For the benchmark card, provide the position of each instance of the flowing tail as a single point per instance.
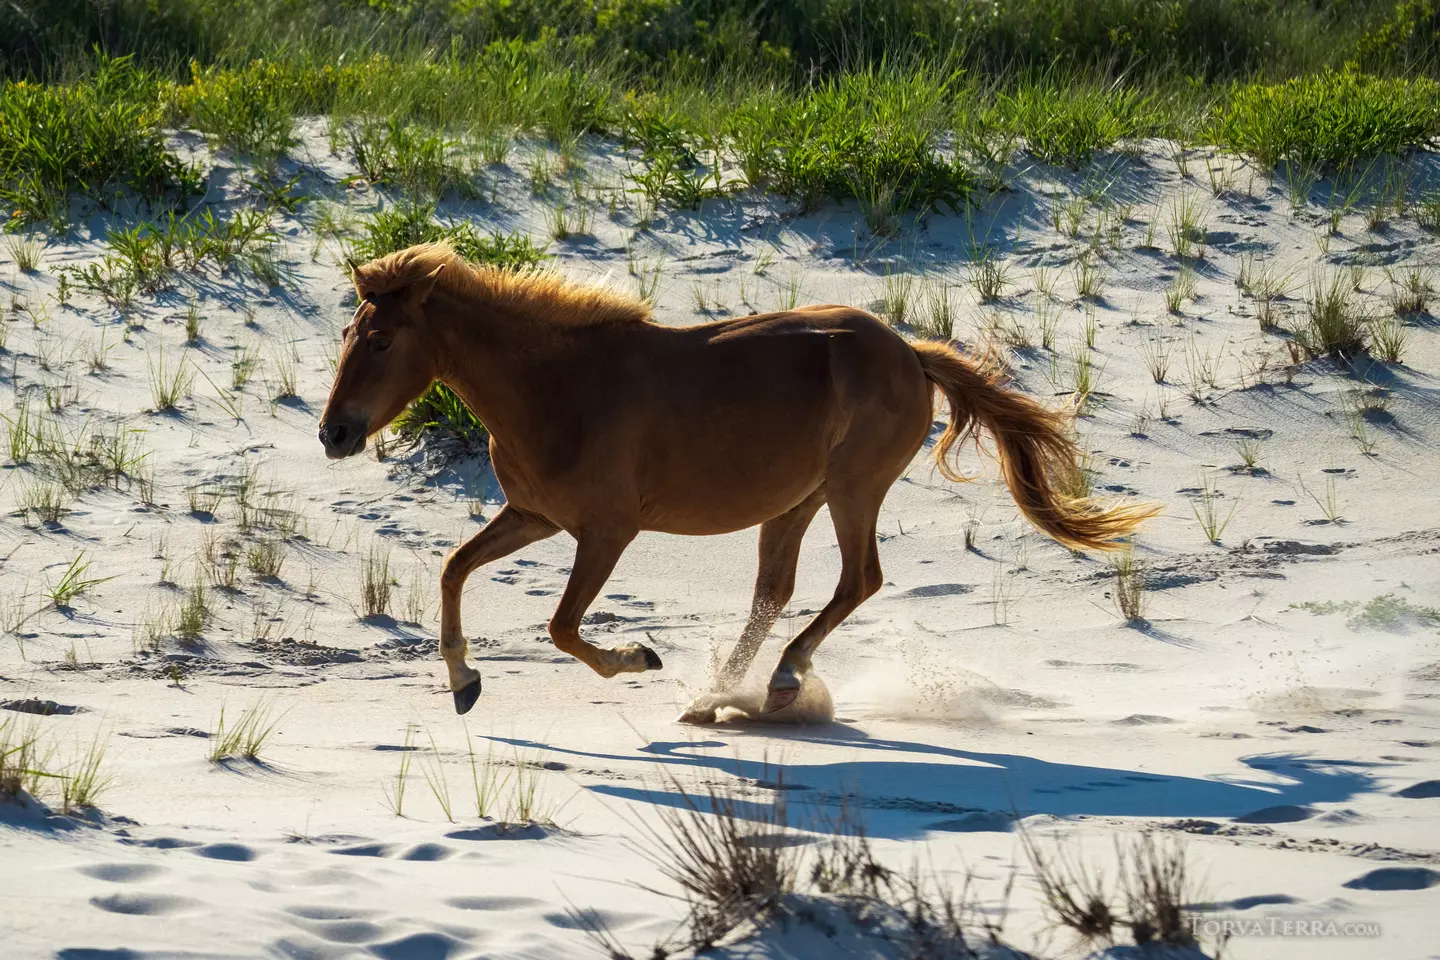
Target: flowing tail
(1037, 455)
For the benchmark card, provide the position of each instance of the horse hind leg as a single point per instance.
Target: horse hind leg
(854, 514)
(780, 539)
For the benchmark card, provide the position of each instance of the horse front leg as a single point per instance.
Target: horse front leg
(595, 558)
(507, 531)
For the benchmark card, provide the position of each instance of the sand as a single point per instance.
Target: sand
(982, 692)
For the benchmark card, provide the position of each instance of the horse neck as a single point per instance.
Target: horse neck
(491, 357)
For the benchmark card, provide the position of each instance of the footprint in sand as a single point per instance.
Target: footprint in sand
(235, 852)
(144, 905)
(428, 853)
(1284, 813)
(367, 850)
(938, 590)
(419, 946)
(161, 843)
(1396, 878)
(122, 872)
(345, 931)
(500, 831)
(1423, 790)
(493, 903)
(325, 912)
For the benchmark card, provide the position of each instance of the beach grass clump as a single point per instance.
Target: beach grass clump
(1335, 324)
(440, 411)
(860, 135)
(1333, 117)
(249, 110)
(407, 224)
(85, 138)
(1067, 120)
(245, 738)
(412, 160)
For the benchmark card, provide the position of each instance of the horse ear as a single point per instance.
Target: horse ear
(419, 291)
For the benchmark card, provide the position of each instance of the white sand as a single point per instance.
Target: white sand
(1228, 702)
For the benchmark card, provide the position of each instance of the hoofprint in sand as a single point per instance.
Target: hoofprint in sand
(1265, 709)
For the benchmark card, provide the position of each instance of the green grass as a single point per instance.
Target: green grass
(1334, 117)
(246, 738)
(83, 139)
(816, 102)
(1335, 325)
(1385, 612)
(407, 224)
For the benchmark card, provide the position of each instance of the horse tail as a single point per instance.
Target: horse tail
(1036, 451)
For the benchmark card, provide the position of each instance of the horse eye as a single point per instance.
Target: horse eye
(379, 344)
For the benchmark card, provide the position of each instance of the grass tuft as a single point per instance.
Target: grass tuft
(246, 738)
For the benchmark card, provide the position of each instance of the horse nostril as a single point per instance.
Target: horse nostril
(335, 435)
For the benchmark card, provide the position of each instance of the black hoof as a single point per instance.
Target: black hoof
(466, 696)
(652, 659)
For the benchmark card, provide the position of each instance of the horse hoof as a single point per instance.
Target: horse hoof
(777, 700)
(699, 717)
(466, 696)
(652, 659)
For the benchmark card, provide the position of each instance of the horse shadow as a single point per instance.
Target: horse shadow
(903, 786)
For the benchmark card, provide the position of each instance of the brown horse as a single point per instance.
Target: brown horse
(603, 423)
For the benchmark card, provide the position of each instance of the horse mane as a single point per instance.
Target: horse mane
(544, 295)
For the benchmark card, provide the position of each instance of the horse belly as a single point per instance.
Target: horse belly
(720, 486)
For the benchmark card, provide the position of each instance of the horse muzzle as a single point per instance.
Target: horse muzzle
(342, 438)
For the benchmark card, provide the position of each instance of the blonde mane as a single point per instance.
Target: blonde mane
(544, 295)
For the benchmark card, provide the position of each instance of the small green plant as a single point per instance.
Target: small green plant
(395, 791)
(83, 781)
(265, 558)
(194, 612)
(246, 738)
(938, 320)
(25, 251)
(896, 294)
(169, 381)
(1389, 339)
(23, 761)
(432, 768)
(1089, 278)
(73, 582)
(1129, 590)
(1156, 353)
(376, 582)
(1328, 501)
(1182, 288)
(989, 276)
(44, 499)
(285, 386)
(1186, 228)
(192, 324)
(1410, 291)
(1335, 325)
(485, 777)
(1213, 519)
(1249, 451)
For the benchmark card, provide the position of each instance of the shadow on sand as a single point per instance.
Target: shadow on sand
(903, 785)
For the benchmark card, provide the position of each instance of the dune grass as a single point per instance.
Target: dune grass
(843, 101)
(244, 739)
